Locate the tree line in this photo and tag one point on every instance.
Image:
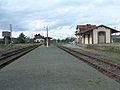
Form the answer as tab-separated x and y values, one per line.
24	39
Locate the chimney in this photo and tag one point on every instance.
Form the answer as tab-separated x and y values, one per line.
88	24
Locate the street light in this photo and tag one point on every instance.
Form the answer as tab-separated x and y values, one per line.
11	33
46	28
47	35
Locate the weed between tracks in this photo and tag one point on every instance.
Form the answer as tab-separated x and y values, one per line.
93	81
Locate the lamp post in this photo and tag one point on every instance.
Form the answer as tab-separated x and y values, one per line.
47	35
11	33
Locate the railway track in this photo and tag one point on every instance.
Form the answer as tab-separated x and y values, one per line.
110	69
9	57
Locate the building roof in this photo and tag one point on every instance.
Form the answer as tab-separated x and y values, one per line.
116	36
46	38
89	29
87	26
84	28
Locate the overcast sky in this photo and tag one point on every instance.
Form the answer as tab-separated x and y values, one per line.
62	16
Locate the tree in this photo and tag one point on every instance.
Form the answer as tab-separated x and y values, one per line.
58	40
21	38
69	39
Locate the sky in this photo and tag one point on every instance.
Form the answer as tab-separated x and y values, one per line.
61	16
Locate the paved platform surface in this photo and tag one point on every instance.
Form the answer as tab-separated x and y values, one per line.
53	69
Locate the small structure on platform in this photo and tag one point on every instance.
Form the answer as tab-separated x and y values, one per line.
92	34
116	38
7	37
49	40
39	38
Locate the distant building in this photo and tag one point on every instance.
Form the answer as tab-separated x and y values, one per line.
14	40
116	38
92	34
49	40
1	41
39	38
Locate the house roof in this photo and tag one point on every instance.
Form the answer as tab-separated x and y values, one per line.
84	27
95	27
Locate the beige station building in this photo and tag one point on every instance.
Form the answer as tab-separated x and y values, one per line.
39	38
92	34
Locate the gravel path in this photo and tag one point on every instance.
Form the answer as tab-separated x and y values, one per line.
53	69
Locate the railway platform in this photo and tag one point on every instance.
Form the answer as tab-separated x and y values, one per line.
53	69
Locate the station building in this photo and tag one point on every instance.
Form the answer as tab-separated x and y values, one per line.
39	38
92	34
116	38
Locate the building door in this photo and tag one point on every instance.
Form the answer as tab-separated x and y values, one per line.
101	37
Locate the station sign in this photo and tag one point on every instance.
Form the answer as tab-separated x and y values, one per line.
6	34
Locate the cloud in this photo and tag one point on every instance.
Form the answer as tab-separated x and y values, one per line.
62	32
32	15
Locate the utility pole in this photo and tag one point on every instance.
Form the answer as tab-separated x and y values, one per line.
47	35
11	33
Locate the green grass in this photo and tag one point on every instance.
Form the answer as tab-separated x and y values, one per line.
5	48
93	81
109	51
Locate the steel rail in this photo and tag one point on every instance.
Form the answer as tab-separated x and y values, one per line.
12	56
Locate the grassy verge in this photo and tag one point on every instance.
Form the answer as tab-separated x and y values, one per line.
110	51
7	48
